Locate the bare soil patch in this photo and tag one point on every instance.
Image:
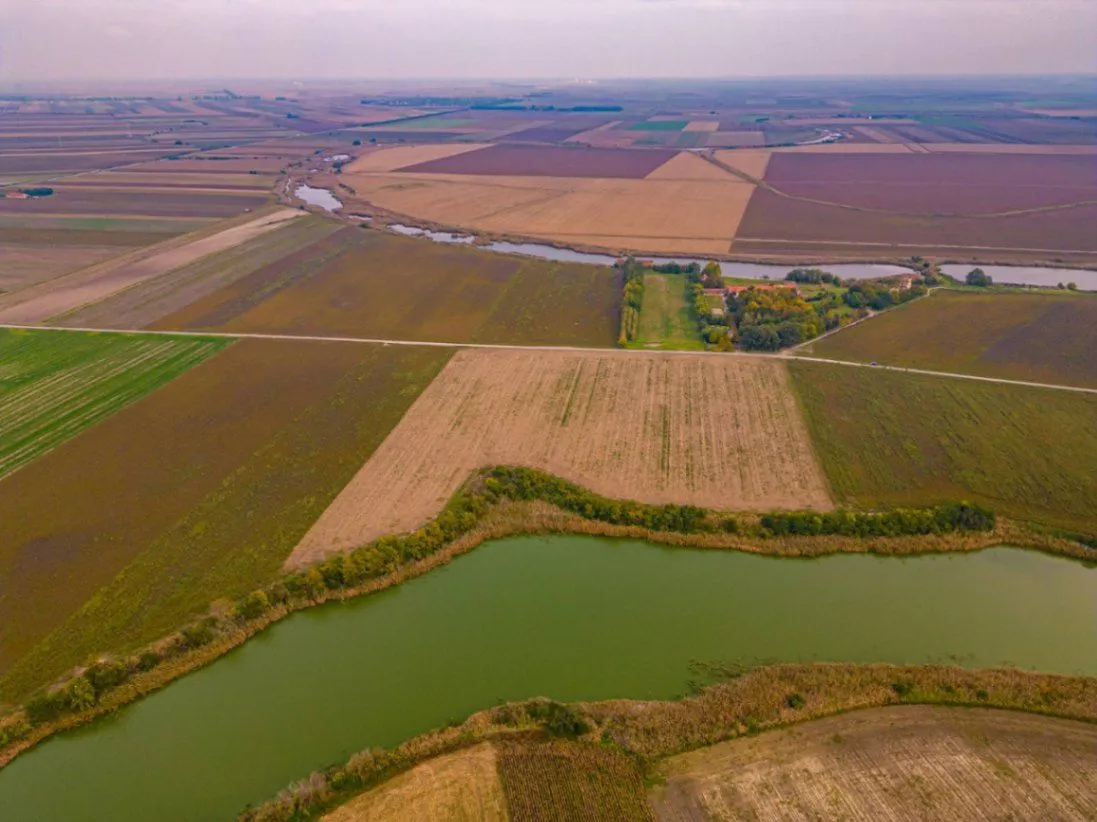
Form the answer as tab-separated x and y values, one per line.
716	432
390	159
457	787
897	763
57	296
546	161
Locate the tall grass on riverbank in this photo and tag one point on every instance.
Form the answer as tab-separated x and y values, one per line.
748	703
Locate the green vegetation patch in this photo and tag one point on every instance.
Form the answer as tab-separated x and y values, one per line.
1035	337
199	495
666	316
54	385
660	125
888	438
547	781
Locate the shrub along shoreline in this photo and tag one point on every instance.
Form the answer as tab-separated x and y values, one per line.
495	503
761	699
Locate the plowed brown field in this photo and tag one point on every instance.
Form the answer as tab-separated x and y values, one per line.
901	764
717	432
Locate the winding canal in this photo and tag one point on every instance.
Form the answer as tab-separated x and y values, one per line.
575	618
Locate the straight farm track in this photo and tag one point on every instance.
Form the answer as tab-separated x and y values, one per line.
51	389
716	432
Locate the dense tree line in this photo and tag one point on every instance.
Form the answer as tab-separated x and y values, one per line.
940	519
632	300
815	276
880	295
769	320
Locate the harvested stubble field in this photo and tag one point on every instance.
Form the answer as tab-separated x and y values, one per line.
376	285
571	782
1033	337
544	161
150	300
198	491
716	432
694	214
888	438
53	386
59	295
899	763
457	787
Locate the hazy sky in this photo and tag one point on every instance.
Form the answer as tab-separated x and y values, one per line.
91	39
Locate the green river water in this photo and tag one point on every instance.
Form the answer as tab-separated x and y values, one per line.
575	618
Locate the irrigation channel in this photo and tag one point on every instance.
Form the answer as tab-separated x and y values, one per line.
574	618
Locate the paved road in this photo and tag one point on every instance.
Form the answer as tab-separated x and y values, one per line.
625	352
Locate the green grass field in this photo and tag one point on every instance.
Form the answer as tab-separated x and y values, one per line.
888	438
660	125
1033	337
199	491
666	321
54	385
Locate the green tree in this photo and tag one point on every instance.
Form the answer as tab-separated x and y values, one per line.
978	277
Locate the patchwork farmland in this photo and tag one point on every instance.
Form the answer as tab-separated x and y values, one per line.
706	431
888	438
198	491
59	295
1030	337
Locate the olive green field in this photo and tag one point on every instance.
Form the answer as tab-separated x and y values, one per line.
1035	337
888	438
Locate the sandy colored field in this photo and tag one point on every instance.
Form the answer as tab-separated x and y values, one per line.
722	139
900	763
689	166
57	296
390	159
702	125
457	787
644	215
710	431
753	163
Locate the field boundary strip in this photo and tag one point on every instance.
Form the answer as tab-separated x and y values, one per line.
228	335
